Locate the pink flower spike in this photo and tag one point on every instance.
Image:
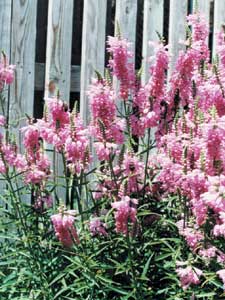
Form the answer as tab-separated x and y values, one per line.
189	275
65	229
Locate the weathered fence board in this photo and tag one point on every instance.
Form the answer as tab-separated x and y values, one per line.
23	38
5	37
219	20
5	32
153	24
40	78
126	17
59	43
203	7
177	32
5	25
93	48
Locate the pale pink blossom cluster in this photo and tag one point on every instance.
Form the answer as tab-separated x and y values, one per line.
7	72
125	179
10	158
65	229
221	274
63	130
133	168
188	275
97	227
125	214
106	127
37	169
121	64
148	101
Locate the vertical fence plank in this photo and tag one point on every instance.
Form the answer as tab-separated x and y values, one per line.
93	48
153	23
5	36
219	20
23	39
5	25
59	44
204	8
58	65
126	16
177	32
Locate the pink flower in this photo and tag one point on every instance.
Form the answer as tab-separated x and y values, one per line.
191	235
65	229
121	64
97	227
189	275
147	101
6	72
31	141
221	274
104	150
35	176
77	146
132	165
208	253
2	120
2	167
125	213
105	125
58	113
45	200
156	86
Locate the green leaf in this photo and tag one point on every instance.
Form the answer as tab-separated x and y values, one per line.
145	270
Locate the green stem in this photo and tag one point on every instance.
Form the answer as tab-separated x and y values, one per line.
133	279
67	179
113	174
146	162
77	188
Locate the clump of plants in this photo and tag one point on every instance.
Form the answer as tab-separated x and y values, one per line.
139	212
